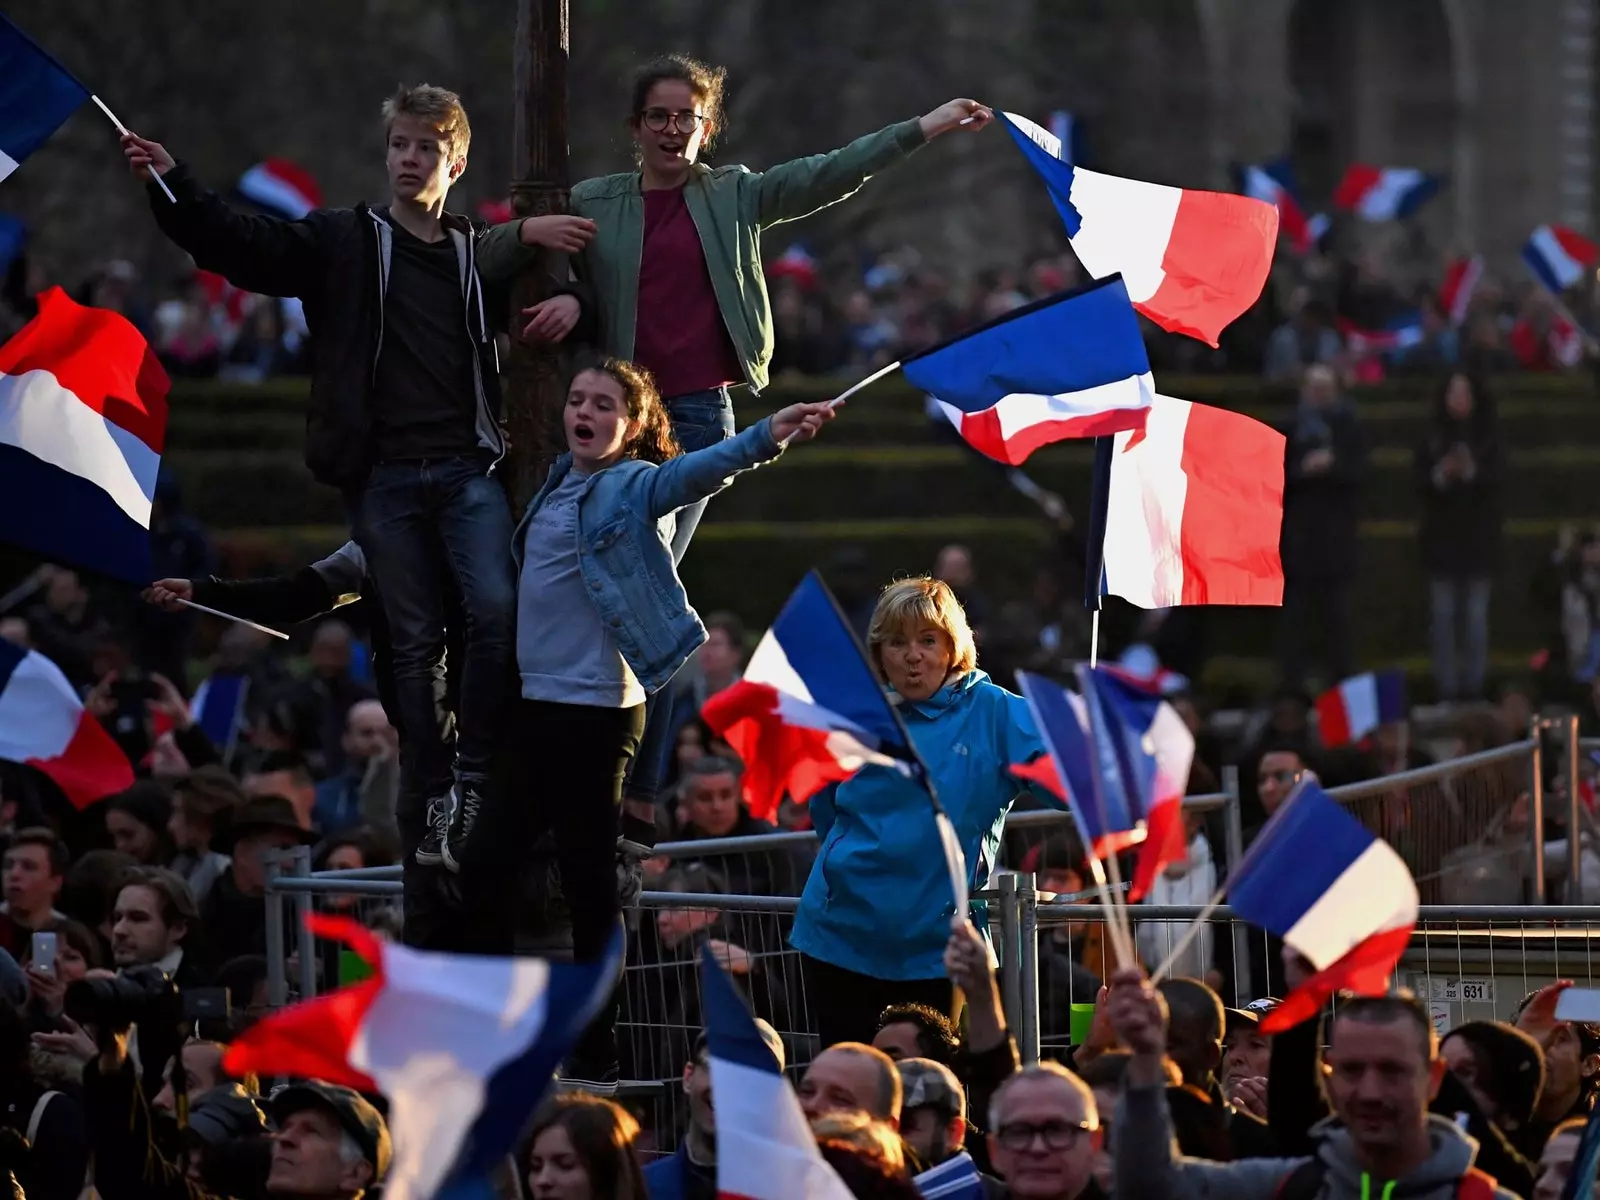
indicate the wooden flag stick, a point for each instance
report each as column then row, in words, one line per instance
column 216, row 612
column 166, row 191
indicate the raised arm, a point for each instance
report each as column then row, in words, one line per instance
column 793, row 189
column 703, row 473
column 257, row 253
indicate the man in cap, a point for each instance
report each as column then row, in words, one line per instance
column 933, row 1125
column 1246, row 1056
column 234, row 915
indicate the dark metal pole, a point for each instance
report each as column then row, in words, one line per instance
column 538, row 188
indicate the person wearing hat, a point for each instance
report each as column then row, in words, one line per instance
column 933, row 1120
column 234, row 916
column 1247, row 1056
column 691, row 1171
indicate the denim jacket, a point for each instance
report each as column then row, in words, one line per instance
column 625, row 526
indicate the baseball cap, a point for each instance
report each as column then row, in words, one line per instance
column 928, row 1084
column 356, row 1116
column 769, row 1035
column 1252, row 1013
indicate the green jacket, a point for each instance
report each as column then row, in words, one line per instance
column 730, row 207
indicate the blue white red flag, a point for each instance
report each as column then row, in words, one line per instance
column 1559, row 257
column 282, row 187
column 1274, row 183
column 1385, row 193
column 1334, row 892
column 956, row 1178
column 44, row 724
column 1398, row 333
column 1192, row 260
column 218, row 707
column 765, row 1148
column 1072, row 365
column 1353, row 709
column 1461, row 279
column 37, row 95
column 463, row 1046
column 83, row 417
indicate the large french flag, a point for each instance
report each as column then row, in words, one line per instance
column 765, row 1148
column 1194, row 509
column 37, row 95
column 1384, row 193
column 464, row 1047
column 1559, row 257
column 808, row 711
column 1334, row 892
column 1353, row 709
column 1193, row 260
column 282, row 187
column 1072, row 365
column 83, row 416
column 44, row 724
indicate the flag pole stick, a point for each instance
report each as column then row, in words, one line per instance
column 870, row 379
column 160, row 182
column 1094, row 639
column 216, row 612
column 1114, row 873
column 1189, row 935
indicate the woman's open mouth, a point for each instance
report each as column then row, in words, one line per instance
column 583, row 433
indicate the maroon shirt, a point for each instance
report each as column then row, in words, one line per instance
column 678, row 333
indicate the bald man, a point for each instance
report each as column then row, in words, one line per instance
column 851, row 1077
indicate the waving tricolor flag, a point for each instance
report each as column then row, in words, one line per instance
column 1461, row 279
column 83, row 416
column 281, row 187
column 37, row 95
column 1193, row 261
column 44, row 725
column 765, row 1148
column 1273, row 182
column 1353, row 709
column 464, row 1047
column 1072, row 365
column 1193, row 509
column 1384, row 193
column 1400, row 332
column 1559, row 257
column 1334, row 892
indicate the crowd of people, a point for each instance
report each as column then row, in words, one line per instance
column 521, row 728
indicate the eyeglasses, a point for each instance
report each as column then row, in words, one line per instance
column 1056, row 1135
column 659, row 120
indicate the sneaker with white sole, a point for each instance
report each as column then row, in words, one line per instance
column 468, row 800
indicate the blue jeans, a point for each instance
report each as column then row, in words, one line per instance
column 414, row 521
column 1460, row 663
column 699, row 419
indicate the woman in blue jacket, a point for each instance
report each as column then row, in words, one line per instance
column 876, row 911
column 602, row 622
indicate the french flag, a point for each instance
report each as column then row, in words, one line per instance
column 1193, row 509
column 1398, row 333
column 1072, row 365
column 1335, row 893
column 956, row 1178
column 1461, row 279
column 83, row 416
column 1384, row 193
column 281, row 187
column 1121, row 758
column 808, row 711
column 44, row 724
column 37, row 95
column 1559, row 257
column 218, row 707
column 1273, row 183
column 765, row 1148
column 464, row 1047
column 796, row 263
column 1349, row 712
column 1193, row 260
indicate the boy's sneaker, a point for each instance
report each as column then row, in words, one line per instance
column 468, row 800
column 430, row 851
column 597, row 1079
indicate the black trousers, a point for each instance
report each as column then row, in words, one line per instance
column 564, row 772
column 845, row 1006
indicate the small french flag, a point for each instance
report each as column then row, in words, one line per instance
column 1193, row 260
column 1398, row 333
column 44, row 724
column 1273, row 183
column 1460, row 281
column 282, row 187
column 1559, row 257
column 808, row 711
column 1335, row 893
column 1360, row 704
column 1385, row 193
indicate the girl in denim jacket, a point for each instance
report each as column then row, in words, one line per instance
column 602, row 622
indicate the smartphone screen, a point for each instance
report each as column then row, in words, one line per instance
column 44, row 952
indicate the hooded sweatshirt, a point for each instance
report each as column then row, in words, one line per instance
column 1148, row 1168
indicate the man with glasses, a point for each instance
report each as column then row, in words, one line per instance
column 1046, row 1132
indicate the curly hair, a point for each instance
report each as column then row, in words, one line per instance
column 654, row 441
column 705, row 81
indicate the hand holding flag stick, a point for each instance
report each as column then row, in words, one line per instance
column 127, row 133
column 216, row 612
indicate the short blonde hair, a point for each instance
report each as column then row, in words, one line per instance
column 864, row 1132
column 923, row 600
column 439, row 107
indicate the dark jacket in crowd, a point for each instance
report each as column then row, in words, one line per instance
column 1461, row 517
column 679, row 1177
column 336, row 261
column 55, row 1165
column 129, row 1164
column 233, row 921
column 1207, row 1126
column 1321, row 510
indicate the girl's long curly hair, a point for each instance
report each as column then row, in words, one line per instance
column 653, row 439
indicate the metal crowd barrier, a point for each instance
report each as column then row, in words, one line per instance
column 1458, row 824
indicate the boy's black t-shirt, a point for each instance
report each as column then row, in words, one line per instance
column 423, row 398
